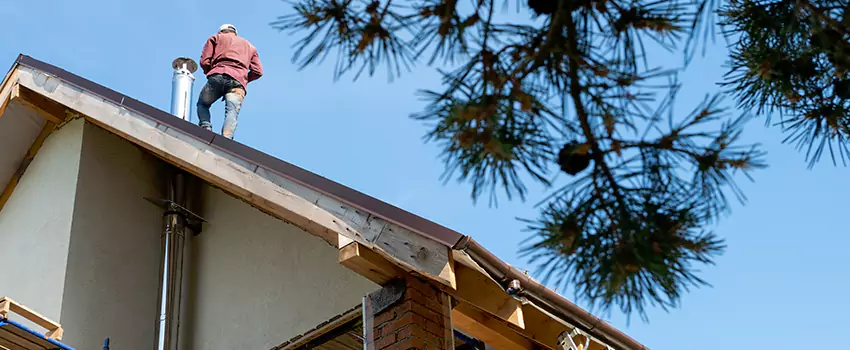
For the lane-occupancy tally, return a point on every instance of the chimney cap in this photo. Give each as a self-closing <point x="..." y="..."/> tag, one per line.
<point x="180" y="61"/>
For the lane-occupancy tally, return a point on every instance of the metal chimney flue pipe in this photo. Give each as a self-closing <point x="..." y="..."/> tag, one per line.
<point x="171" y="269"/>
<point x="181" y="86"/>
<point x="178" y="220"/>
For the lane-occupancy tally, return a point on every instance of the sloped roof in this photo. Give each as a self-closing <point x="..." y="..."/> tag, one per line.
<point x="371" y="217"/>
<point x="345" y="194"/>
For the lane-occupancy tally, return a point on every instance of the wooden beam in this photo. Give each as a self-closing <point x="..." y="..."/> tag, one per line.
<point x="7" y="305"/>
<point x="6" y="91"/>
<point x="418" y="253"/>
<point x="48" y="109"/>
<point x="475" y="288"/>
<point x="30" y="155"/>
<point x="495" y="332"/>
<point x="545" y="327"/>
<point x="511" y="311"/>
<point x="4" y="101"/>
<point x="368" y="263"/>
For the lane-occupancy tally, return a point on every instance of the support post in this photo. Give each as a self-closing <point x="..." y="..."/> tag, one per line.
<point x="408" y="313"/>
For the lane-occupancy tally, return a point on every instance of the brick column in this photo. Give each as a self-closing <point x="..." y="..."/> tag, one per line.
<point x="408" y="314"/>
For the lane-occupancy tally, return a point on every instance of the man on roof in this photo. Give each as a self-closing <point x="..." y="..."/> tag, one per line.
<point x="230" y="62"/>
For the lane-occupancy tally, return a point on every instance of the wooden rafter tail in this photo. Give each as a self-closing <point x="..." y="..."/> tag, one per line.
<point x="7" y="306"/>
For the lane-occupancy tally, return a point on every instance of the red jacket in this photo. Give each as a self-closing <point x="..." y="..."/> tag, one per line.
<point x="232" y="55"/>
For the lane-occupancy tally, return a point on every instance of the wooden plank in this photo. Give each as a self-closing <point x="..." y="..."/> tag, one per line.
<point x="368" y="263"/>
<point x="428" y="257"/>
<point x="30" y="155"/>
<point x="480" y="290"/>
<point x="6" y="91"/>
<point x="54" y="330"/>
<point x="496" y="333"/>
<point x="544" y="327"/>
<point x="511" y="311"/>
<point x="8" y="344"/>
<point x="4" y="101"/>
<point x="48" y="109"/>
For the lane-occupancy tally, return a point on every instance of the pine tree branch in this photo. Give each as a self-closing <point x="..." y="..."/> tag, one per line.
<point x="581" y="112"/>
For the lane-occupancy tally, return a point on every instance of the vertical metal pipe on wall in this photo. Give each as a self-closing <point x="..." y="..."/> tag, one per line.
<point x="175" y="220"/>
<point x="171" y="266"/>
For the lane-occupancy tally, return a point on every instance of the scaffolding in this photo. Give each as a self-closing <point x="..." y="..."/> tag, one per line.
<point x="17" y="336"/>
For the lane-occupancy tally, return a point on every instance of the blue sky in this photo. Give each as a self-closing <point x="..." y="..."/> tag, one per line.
<point x="782" y="284"/>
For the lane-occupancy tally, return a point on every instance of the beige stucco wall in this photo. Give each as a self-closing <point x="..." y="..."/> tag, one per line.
<point x="112" y="277"/>
<point x="260" y="281"/>
<point x="85" y="247"/>
<point x="35" y="224"/>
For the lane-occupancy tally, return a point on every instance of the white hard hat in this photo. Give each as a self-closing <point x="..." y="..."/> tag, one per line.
<point x="227" y="27"/>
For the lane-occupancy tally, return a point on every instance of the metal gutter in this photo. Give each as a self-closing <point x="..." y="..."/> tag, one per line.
<point x="537" y="293"/>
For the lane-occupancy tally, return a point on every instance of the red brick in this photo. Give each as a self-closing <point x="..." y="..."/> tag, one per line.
<point x="432" y="303"/>
<point x="434" y="328"/>
<point x="421" y="310"/>
<point x="412" y="343"/>
<point x="418" y="322"/>
<point x="390" y="327"/>
<point x="380" y="331"/>
<point x="421" y="286"/>
<point x="414" y="330"/>
<point x="384" y="317"/>
<point x="385" y="341"/>
<point x="427" y="325"/>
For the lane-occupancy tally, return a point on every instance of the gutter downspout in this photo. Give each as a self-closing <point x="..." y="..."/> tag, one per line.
<point x="553" y="302"/>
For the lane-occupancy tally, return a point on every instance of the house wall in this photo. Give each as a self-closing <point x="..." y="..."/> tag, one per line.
<point x="35" y="224"/>
<point x="259" y="281"/>
<point x="113" y="261"/>
<point x="85" y="247"/>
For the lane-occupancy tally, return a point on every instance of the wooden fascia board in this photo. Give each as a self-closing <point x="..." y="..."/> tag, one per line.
<point x="272" y="193"/>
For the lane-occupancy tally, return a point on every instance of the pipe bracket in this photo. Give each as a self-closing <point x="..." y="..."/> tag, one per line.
<point x="193" y="221"/>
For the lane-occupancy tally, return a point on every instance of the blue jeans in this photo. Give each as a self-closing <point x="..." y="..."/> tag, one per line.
<point x="218" y="86"/>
